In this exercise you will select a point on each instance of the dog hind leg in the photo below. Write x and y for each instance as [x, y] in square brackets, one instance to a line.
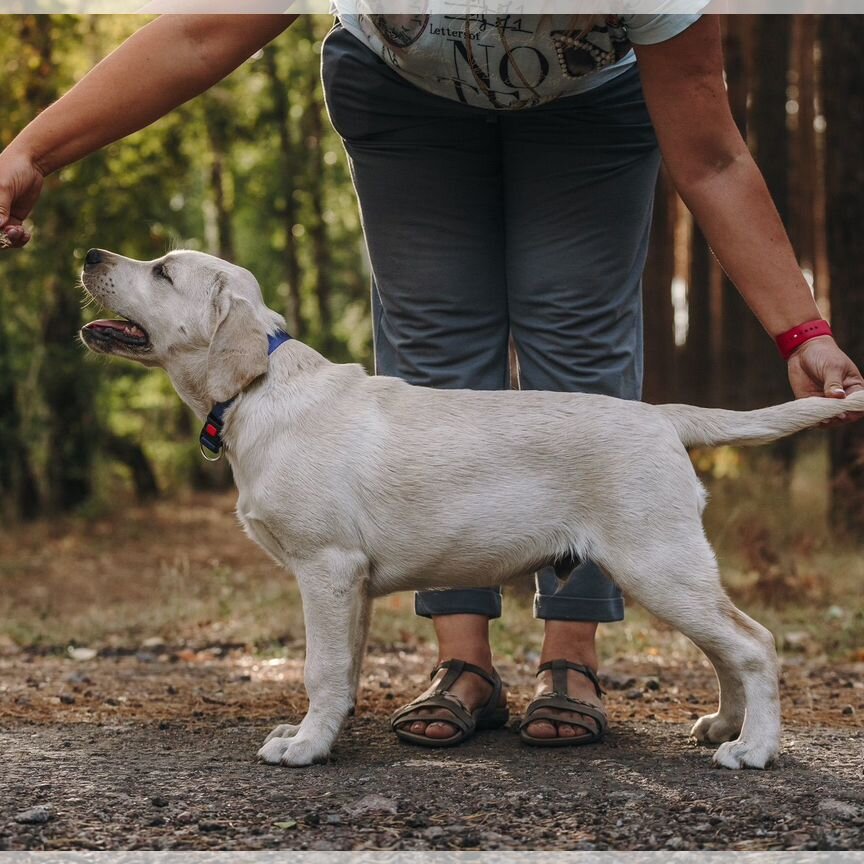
[674, 575]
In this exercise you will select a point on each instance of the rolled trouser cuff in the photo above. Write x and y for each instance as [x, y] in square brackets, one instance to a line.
[468, 601]
[551, 607]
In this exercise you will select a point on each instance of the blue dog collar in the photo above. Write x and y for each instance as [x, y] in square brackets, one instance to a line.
[210, 439]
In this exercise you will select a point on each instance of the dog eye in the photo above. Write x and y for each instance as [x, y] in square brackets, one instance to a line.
[160, 271]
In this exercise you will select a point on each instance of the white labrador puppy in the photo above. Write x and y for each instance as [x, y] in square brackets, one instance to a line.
[362, 485]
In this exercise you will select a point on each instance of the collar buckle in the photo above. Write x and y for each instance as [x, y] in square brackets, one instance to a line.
[210, 440]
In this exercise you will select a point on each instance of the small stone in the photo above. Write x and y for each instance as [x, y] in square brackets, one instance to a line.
[843, 809]
[652, 684]
[211, 826]
[848, 711]
[635, 694]
[333, 819]
[615, 682]
[434, 833]
[81, 653]
[34, 816]
[159, 801]
[67, 698]
[372, 803]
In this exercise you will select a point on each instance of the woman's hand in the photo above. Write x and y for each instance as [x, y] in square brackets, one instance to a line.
[20, 185]
[820, 368]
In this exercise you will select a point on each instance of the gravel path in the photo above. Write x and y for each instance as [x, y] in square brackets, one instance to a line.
[188, 779]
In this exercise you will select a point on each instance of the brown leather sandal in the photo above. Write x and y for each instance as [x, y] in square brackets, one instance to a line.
[490, 715]
[558, 700]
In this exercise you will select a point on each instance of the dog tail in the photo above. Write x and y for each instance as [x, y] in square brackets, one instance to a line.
[713, 426]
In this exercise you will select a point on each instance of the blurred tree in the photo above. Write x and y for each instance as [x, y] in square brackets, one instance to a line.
[842, 36]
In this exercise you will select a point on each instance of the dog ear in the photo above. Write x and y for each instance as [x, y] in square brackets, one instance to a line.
[238, 350]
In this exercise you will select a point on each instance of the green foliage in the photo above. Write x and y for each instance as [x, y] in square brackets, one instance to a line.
[251, 171]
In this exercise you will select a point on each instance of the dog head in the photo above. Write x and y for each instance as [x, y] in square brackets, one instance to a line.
[201, 319]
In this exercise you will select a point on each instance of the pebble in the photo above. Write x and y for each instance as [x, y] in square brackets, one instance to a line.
[372, 803]
[159, 801]
[34, 816]
[848, 711]
[67, 698]
[635, 694]
[843, 809]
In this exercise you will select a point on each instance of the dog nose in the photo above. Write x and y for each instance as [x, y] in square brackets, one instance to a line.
[94, 257]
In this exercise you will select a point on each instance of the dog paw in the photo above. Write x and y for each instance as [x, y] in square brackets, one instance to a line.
[273, 750]
[743, 754]
[292, 752]
[285, 730]
[301, 753]
[714, 729]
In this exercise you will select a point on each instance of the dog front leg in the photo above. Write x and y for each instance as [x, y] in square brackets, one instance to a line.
[335, 604]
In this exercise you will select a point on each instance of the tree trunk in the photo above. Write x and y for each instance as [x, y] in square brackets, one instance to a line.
[19, 494]
[129, 452]
[67, 388]
[733, 314]
[769, 142]
[660, 378]
[65, 379]
[217, 122]
[313, 133]
[843, 78]
[288, 211]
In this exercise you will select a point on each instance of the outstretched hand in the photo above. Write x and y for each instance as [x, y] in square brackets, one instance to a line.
[820, 368]
[20, 185]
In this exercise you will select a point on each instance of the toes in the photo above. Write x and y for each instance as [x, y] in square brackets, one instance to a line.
[418, 727]
[440, 730]
[541, 729]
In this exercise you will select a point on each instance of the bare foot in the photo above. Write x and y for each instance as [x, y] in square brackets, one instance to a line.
[573, 641]
[462, 637]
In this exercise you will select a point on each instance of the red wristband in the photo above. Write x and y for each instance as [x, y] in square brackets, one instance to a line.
[790, 341]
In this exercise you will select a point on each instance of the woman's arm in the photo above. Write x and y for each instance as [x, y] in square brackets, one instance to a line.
[717, 178]
[164, 64]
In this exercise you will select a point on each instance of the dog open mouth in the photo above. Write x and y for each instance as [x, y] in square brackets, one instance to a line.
[107, 332]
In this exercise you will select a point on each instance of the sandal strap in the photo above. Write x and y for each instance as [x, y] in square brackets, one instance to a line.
[539, 709]
[441, 697]
[455, 668]
[559, 676]
[459, 714]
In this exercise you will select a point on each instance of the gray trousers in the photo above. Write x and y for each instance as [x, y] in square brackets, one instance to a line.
[482, 225]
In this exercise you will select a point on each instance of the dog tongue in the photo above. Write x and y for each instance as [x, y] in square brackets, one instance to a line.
[125, 326]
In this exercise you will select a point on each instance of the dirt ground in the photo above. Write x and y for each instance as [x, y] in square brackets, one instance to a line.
[158, 752]
[144, 657]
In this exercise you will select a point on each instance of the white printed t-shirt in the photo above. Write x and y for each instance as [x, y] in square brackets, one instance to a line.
[508, 61]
